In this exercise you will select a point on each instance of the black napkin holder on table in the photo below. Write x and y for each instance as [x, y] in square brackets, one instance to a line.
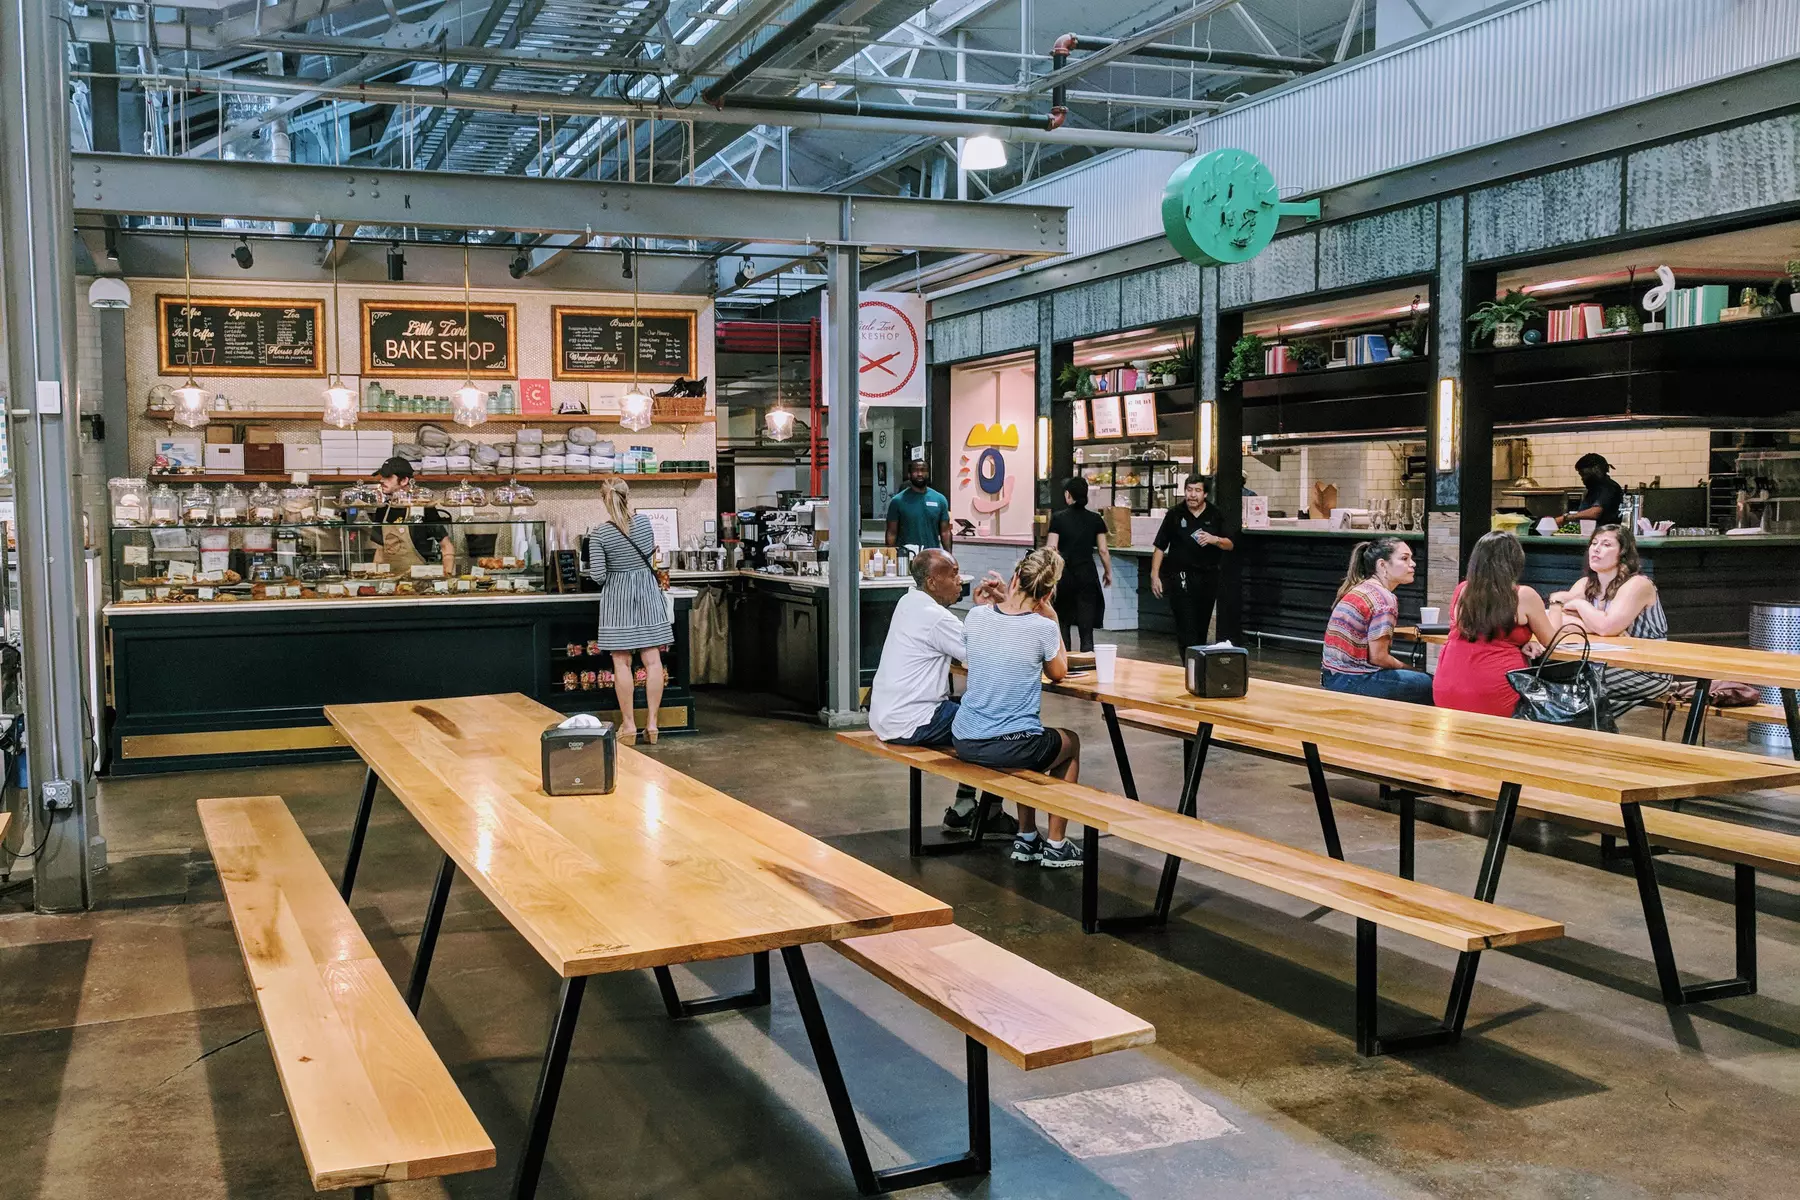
[1217, 672]
[578, 761]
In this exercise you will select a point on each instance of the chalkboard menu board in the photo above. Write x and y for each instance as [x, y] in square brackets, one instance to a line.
[420, 339]
[239, 336]
[595, 343]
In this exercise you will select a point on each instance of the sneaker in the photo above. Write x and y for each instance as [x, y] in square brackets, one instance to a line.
[1066, 855]
[999, 823]
[1027, 850]
[957, 824]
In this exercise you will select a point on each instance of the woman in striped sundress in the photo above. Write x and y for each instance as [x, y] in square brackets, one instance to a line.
[634, 613]
[1611, 598]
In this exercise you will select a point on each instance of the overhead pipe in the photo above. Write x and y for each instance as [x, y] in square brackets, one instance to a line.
[1204, 55]
[802, 24]
[1059, 95]
[906, 112]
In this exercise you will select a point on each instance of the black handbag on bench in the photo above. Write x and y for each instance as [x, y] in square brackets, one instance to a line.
[1568, 692]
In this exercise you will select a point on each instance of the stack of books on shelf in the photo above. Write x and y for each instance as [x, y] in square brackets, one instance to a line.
[1576, 322]
[1696, 305]
[1365, 348]
[1277, 361]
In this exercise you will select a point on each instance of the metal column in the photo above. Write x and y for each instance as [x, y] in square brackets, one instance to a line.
[38, 288]
[843, 700]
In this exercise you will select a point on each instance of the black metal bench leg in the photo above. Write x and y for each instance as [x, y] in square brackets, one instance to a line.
[428, 934]
[549, 1087]
[973, 1162]
[1408, 823]
[1315, 771]
[1090, 879]
[366, 1192]
[1792, 711]
[357, 830]
[1120, 757]
[1656, 923]
[1185, 805]
[1696, 721]
[916, 844]
[756, 997]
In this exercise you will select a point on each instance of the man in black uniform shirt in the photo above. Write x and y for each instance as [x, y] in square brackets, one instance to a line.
[405, 546]
[1185, 567]
[1600, 503]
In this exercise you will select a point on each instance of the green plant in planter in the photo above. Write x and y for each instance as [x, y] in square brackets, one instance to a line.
[1410, 338]
[1075, 379]
[1307, 356]
[1504, 319]
[1246, 359]
[1166, 368]
[1184, 362]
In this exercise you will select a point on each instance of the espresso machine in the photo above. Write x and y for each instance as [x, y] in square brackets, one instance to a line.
[753, 537]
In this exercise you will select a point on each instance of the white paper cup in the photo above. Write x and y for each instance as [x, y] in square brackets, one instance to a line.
[1428, 616]
[1105, 658]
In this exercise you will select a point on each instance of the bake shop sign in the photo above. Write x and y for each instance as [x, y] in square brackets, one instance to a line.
[891, 349]
[428, 340]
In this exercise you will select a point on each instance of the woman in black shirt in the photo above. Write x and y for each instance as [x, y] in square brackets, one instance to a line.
[1077, 535]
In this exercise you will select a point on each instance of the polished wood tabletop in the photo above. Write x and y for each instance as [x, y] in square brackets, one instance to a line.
[1623, 770]
[1689, 660]
[662, 870]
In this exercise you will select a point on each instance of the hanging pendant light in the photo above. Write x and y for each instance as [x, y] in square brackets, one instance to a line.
[778, 422]
[635, 405]
[191, 401]
[340, 401]
[982, 153]
[468, 404]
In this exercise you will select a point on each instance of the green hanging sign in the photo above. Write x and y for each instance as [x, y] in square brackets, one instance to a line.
[1222, 207]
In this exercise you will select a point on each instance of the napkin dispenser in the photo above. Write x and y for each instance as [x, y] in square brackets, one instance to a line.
[580, 756]
[1217, 672]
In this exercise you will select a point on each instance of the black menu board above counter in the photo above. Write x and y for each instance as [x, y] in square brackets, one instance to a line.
[239, 336]
[419, 339]
[595, 344]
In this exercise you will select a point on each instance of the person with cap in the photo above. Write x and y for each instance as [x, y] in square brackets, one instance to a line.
[407, 545]
[1601, 500]
[919, 514]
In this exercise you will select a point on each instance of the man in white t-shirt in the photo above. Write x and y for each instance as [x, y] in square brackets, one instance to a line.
[909, 702]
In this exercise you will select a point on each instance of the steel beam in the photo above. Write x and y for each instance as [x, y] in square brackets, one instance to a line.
[843, 700]
[43, 411]
[1129, 45]
[262, 191]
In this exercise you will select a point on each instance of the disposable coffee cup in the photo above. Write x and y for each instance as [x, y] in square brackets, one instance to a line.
[1428, 616]
[1104, 659]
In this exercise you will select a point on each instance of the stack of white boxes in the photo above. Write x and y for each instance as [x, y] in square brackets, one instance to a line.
[354, 451]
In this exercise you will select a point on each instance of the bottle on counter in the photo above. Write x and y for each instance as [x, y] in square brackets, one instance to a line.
[877, 564]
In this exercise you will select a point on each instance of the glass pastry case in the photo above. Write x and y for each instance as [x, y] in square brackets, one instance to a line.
[325, 560]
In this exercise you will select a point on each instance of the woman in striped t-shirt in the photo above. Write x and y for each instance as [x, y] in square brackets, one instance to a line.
[634, 614]
[1357, 639]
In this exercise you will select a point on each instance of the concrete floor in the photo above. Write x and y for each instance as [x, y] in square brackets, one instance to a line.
[132, 1063]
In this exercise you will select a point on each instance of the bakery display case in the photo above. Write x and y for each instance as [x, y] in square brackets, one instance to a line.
[310, 559]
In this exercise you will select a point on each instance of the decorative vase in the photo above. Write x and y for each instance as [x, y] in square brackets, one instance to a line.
[1403, 351]
[1507, 333]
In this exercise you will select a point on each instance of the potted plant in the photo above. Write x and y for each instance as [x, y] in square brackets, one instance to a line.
[1162, 372]
[1307, 355]
[1411, 336]
[1246, 360]
[1184, 364]
[1623, 316]
[1504, 319]
[1075, 381]
[1793, 278]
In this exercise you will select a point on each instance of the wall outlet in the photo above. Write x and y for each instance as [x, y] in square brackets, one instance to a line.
[59, 795]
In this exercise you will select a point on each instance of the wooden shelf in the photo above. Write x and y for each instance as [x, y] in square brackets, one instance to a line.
[1172, 390]
[1396, 376]
[252, 416]
[449, 477]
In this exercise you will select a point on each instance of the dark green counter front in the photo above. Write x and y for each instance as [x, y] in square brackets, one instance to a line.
[1706, 584]
[1290, 579]
[198, 686]
[781, 636]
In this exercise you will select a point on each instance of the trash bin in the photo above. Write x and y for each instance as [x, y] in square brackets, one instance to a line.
[1774, 626]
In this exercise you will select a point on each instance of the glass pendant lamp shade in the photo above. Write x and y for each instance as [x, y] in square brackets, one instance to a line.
[191, 405]
[340, 406]
[778, 422]
[983, 154]
[468, 405]
[634, 409]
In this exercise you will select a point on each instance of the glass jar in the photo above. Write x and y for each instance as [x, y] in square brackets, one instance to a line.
[265, 505]
[513, 494]
[417, 495]
[232, 505]
[508, 404]
[165, 506]
[465, 495]
[299, 506]
[130, 502]
[197, 505]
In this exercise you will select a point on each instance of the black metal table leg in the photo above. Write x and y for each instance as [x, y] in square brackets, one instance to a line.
[756, 997]
[1118, 746]
[357, 830]
[1090, 879]
[1792, 712]
[1315, 771]
[1186, 805]
[1408, 822]
[543, 1104]
[870, 1182]
[1656, 923]
[428, 934]
[365, 1192]
[1696, 721]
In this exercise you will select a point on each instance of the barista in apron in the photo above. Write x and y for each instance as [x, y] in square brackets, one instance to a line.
[405, 546]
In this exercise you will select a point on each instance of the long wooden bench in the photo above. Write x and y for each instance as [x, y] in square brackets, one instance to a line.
[999, 1002]
[371, 1101]
[1373, 898]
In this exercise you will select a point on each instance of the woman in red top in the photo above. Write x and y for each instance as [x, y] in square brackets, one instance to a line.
[1492, 617]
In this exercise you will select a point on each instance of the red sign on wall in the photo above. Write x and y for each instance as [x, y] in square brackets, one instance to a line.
[534, 396]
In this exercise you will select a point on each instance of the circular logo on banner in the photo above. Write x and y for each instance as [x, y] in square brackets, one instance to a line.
[889, 349]
[1221, 207]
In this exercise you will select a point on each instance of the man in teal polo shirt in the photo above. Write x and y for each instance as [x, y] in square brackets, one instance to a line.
[919, 515]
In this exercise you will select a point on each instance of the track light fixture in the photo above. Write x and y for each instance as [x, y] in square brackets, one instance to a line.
[745, 273]
[245, 259]
[625, 262]
[520, 264]
[396, 263]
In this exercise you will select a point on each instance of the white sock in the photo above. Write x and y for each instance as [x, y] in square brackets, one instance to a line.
[1029, 835]
[964, 805]
[1059, 843]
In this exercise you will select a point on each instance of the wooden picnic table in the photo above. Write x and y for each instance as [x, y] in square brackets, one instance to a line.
[1697, 661]
[1508, 754]
[663, 870]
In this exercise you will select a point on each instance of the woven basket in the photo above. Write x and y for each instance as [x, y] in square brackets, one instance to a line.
[676, 409]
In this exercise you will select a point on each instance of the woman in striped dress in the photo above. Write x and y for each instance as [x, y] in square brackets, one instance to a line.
[634, 614]
[1611, 598]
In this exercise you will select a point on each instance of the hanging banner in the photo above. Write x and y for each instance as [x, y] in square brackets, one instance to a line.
[890, 364]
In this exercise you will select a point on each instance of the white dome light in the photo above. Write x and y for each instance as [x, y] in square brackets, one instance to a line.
[109, 291]
[983, 153]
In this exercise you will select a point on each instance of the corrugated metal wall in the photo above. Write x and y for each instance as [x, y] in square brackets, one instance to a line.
[1539, 64]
